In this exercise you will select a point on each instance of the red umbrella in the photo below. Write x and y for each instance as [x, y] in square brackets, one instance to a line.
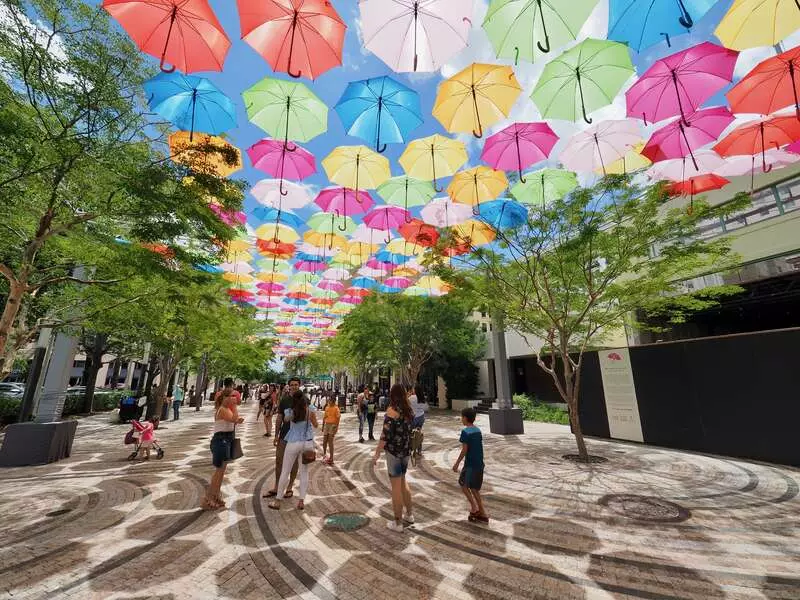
[772, 85]
[420, 233]
[306, 35]
[183, 33]
[697, 185]
[277, 249]
[759, 136]
[678, 140]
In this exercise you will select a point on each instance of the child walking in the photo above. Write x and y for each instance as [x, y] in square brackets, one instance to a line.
[330, 425]
[471, 478]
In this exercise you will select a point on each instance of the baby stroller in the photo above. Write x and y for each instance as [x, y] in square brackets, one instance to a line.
[142, 434]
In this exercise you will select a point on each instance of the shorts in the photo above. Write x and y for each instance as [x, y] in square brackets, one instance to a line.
[396, 466]
[330, 428]
[471, 478]
[418, 422]
[221, 448]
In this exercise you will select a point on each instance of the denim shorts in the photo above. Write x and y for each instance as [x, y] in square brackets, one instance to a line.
[221, 448]
[397, 467]
[471, 478]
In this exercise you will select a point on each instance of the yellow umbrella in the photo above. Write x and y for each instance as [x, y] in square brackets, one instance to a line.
[357, 253]
[325, 240]
[432, 157]
[754, 23]
[405, 271]
[477, 97]
[238, 245]
[404, 247]
[632, 161]
[474, 233]
[356, 167]
[269, 277]
[430, 282]
[237, 277]
[477, 185]
[277, 233]
[205, 153]
[237, 256]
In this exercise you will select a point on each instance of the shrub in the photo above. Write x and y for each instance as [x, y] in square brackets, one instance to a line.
[533, 410]
[9, 410]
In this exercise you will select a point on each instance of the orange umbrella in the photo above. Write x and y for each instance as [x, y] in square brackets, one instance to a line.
[205, 153]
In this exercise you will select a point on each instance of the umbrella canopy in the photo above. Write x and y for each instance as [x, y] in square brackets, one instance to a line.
[191, 103]
[367, 283]
[380, 110]
[336, 274]
[519, 146]
[356, 167]
[326, 223]
[599, 145]
[681, 82]
[772, 85]
[528, 30]
[406, 191]
[678, 140]
[274, 158]
[643, 23]
[205, 153]
[432, 157]
[583, 79]
[270, 192]
[474, 233]
[385, 218]
[298, 37]
[343, 201]
[697, 185]
[286, 110]
[545, 186]
[754, 23]
[502, 214]
[679, 169]
[266, 214]
[183, 33]
[416, 36]
[278, 233]
[735, 166]
[419, 233]
[480, 95]
[477, 185]
[757, 137]
[631, 161]
[443, 212]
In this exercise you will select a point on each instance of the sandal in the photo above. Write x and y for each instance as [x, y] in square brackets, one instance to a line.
[209, 504]
[301, 505]
[288, 494]
[274, 505]
[270, 494]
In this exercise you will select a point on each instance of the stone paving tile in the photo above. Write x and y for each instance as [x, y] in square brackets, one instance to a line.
[98, 526]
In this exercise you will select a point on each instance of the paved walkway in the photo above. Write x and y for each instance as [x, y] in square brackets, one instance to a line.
[96, 526]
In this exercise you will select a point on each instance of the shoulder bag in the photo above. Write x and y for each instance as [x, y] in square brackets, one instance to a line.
[308, 456]
[236, 446]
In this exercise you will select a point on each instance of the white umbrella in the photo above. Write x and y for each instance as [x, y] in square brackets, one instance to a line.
[443, 212]
[681, 169]
[267, 192]
[336, 274]
[600, 145]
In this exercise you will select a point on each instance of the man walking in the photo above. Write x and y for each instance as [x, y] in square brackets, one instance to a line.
[281, 429]
[177, 400]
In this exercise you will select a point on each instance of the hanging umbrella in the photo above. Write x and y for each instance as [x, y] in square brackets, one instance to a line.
[183, 33]
[584, 78]
[476, 185]
[269, 192]
[278, 233]
[771, 86]
[271, 248]
[331, 286]
[680, 83]
[366, 283]
[386, 218]
[419, 233]
[519, 146]
[643, 23]
[398, 282]
[682, 136]
[480, 95]
[294, 36]
[406, 191]
[630, 162]
[697, 185]
[325, 240]
[379, 110]
[286, 110]
[401, 246]
[325, 223]
[443, 212]
[736, 166]
[759, 136]
[679, 169]
[474, 233]
[503, 214]
[416, 36]
[310, 266]
[344, 202]
[599, 145]
[274, 158]
[190, 102]
[754, 23]
[265, 214]
[415, 290]
[356, 167]
[527, 29]
[545, 186]
[232, 218]
[205, 153]
[357, 253]
[336, 274]
[432, 157]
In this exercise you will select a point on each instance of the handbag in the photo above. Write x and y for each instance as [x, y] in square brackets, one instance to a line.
[308, 456]
[236, 446]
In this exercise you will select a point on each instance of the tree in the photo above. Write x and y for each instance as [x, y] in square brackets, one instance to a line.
[581, 265]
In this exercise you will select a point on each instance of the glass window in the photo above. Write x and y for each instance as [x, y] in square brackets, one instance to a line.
[709, 228]
[789, 193]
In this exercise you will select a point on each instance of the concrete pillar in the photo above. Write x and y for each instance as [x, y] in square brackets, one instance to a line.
[129, 374]
[504, 419]
[56, 379]
[441, 393]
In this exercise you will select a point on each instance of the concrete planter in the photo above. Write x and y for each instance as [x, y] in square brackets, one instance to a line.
[459, 405]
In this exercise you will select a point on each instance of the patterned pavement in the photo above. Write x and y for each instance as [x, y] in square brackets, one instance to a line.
[649, 523]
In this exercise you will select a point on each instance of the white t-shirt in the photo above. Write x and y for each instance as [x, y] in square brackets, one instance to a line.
[418, 407]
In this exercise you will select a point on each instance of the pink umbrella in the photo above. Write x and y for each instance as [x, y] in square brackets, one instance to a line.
[398, 282]
[229, 217]
[334, 286]
[679, 169]
[442, 212]
[681, 82]
[272, 157]
[599, 145]
[682, 136]
[381, 267]
[272, 288]
[267, 305]
[344, 201]
[385, 218]
[736, 166]
[351, 299]
[519, 146]
[309, 266]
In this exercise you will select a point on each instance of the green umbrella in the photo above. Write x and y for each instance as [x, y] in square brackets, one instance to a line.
[527, 29]
[326, 224]
[406, 191]
[286, 109]
[303, 278]
[276, 265]
[415, 290]
[583, 79]
[545, 186]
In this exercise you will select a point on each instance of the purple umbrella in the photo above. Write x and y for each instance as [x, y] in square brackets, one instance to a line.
[519, 146]
[682, 136]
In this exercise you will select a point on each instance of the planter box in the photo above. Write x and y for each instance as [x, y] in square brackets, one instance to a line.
[459, 405]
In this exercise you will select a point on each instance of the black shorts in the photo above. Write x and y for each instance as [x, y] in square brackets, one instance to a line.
[471, 478]
[221, 448]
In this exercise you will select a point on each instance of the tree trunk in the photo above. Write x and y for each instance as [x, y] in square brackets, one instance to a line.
[167, 366]
[16, 294]
[571, 390]
[94, 360]
[115, 371]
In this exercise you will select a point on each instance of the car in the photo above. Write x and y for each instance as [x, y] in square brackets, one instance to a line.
[76, 390]
[12, 390]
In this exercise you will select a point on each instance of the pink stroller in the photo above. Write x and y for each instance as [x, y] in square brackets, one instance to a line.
[143, 435]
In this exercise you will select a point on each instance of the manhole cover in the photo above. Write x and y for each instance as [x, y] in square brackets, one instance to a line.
[345, 521]
[645, 508]
[591, 460]
[58, 513]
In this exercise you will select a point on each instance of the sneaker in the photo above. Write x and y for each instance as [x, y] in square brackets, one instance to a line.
[361, 440]
[394, 526]
[409, 518]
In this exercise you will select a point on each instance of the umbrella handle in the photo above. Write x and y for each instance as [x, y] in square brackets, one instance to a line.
[168, 70]
[281, 189]
[666, 36]
[522, 178]
[407, 218]
[381, 149]
[546, 47]
[475, 211]
[297, 75]
[580, 90]
[173, 16]
[685, 19]
[388, 237]
[292, 148]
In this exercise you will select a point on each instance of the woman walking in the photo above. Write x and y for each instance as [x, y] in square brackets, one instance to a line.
[330, 425]
[396, 441]
[300, 439]
[266, 406]
[226, 417]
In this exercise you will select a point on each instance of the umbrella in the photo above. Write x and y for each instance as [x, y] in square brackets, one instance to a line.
[681, 82]
[415, 290]
[678, 169]
[772, 85]
[278, 233]
[735, 166]
[753, 23]
[269, 214]
[379, 110]
[432, 157]
[398, 282]
[205, 153]
[356, 167]
[583, 79]
[519, 146]
[416, 36]
[325, 223]
[385, 218]
[758, 136]
[367, 283]
[344, 202]
[474, 233]
[544, 186]
[183, 33]
[525, 29]
[306, 35]
[190, 102]
[503, 214]
[476, 185]
[286, 110]
[357, 253]
[682, 136]
[358, 291]
[406, 191]
[443, 212]
[274, 158]
[477, 96]
[420, 233]
[401, 246]
[697, 185]
[599, 145]
[275, 249]
[336, 274]
[232, 218]
[643, 23]
[309, 266]
[270, 192]
[631, 161]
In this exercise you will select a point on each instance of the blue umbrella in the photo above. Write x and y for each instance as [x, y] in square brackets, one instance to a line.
[642, 23]
[502, 214]
[397, 259]
[367, 283]
[191, 103]
[387, 289]
[312, 257]
[266, 214]
[379, 110]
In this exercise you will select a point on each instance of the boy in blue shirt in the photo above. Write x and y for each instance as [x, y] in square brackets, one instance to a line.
[471, 478]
